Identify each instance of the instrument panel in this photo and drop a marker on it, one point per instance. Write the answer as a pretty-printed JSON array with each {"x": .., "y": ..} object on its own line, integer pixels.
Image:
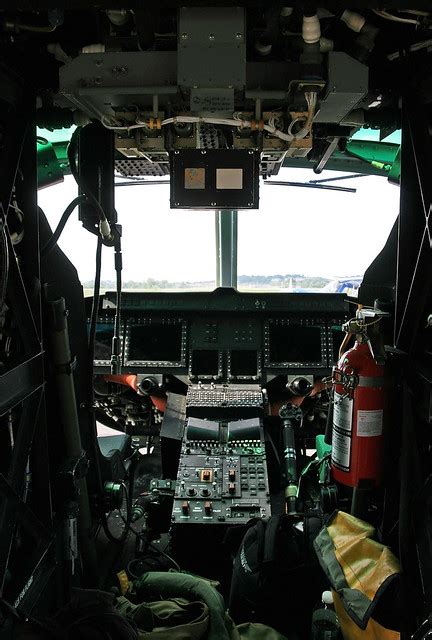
[{"x": 229, "y": 337}]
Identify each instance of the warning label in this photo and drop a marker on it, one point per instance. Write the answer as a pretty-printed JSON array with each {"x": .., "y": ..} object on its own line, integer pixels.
[
  {"x": 369, "y": 423},
  {"x": 341, "y": 450},
  {"x": 343, "y": 412}
]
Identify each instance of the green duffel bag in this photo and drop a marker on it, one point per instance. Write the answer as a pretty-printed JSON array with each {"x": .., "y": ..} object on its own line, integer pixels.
[
  {"x": 179, "y": 606},
  {"x": 171, "y": 619}
]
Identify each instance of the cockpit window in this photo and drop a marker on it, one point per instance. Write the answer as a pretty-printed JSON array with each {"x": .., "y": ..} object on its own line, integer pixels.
[
  {"x": 162, "y": 249},
  {"x": 304, "y": 239}
]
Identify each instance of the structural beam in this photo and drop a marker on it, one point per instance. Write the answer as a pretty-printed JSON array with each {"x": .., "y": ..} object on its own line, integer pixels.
[{"x": 226, "y": 248}]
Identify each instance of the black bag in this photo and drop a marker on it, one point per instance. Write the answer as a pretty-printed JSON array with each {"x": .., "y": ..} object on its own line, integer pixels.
[{"x": 276, "y": 578}]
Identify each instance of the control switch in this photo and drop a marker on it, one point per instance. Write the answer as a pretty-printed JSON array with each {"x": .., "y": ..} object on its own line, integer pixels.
[{"x": 185, "y": 508}]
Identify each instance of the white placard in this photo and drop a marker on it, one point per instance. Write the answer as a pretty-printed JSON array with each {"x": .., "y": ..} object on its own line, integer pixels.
[
  {"x": 369, "y": 423},
  {"x": 341, "y": 450},
  {"x": 343, "y": 412},
  {"x": 229, "y": 178}
]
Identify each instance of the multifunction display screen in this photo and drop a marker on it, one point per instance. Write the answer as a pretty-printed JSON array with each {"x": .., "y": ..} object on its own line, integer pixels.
[
  {"x": 294, "y": 343},
  {"x": 155, "y": 342}
]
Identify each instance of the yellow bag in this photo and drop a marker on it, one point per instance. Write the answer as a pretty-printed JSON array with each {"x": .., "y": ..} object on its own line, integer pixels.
[{"x": 359, "y": 570}]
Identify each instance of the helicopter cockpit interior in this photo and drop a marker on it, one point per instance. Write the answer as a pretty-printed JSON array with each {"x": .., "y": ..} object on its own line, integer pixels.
[{"x": 238, "y": 456}]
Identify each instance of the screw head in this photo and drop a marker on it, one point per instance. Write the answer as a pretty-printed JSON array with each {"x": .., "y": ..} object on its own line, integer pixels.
[
  {"x": 211, "y": 36},
  {"x": 239, "y": 36},
  {"x": 213, "y": 204},
  {"x": 203, "y": 152},
  {"x": 184, "y": 36}
]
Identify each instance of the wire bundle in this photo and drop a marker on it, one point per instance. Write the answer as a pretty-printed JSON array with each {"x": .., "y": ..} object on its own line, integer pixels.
[{"x": 236, "y": 121}]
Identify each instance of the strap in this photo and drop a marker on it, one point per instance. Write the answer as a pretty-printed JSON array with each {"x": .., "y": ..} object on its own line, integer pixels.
[{"x": 270, "y": 539}]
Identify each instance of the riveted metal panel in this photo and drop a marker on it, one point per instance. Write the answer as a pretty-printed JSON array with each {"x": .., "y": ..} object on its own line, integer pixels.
[{"x": 212, "y": 47}]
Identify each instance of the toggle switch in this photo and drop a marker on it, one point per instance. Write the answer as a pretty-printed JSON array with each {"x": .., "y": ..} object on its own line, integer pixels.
[{"x": 185, "y": 508}]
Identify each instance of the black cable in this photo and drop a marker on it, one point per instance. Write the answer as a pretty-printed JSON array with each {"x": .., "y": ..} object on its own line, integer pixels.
[
  {"x": 142, "y": 536},
  {"x": 143, "y": 560},
  {"x": 127, "y": 521},
  {"x": 50, "y": 244},
  {"x": 118, "y": 265},
  {"x": 4, "y": 263},
  {"x": 91, "y": 350},
  {"x": 95, "y": 446},
  {"x": 94, "y": 313}
]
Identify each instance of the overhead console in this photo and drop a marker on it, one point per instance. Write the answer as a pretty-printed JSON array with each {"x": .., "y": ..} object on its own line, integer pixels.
[{"x": 224, "y": 336}]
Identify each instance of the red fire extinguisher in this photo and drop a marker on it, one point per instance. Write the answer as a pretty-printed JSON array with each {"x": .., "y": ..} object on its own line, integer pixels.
[{"x": 359, "y": 417}]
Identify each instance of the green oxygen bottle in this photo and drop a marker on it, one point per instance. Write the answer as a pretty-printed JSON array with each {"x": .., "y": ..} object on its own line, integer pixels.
[{"x": 325, "y": 623}]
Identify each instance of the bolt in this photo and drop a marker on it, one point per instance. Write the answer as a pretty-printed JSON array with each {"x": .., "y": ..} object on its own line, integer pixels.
[
  {"x": 176, "y": 152},
  {"x": 203, "y": 152},
  {"x": 184, "y": 36},
  {"x": 213, "y": 204},
  {"x": 98, "y": 63},
  {"x": 119, "y": 70},
  {"x": 211, "y": 36},
  {"x": 251, "y": 153},
  {"x": 239, "y": 36},
  {"x": 250, "y": 204}
]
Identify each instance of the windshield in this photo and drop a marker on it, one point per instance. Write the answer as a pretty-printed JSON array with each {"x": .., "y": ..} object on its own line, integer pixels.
[
  {"x": 301, "y": 239},
  {"x": 306, "y": 239},
  {"x": 162, "y": 249}
]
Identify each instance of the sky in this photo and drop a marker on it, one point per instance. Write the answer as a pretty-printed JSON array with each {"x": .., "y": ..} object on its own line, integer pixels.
[{"x": 296, "y": 230}]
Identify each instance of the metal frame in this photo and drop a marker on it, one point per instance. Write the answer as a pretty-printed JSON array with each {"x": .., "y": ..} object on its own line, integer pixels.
[
  {"x": 22, "y": 387},
  {"x": 226, "y": 248},
  {"x": 414, "y": 271}
]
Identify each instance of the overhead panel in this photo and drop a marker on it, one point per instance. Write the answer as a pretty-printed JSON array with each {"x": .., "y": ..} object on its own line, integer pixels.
[
  {"x": 211, "y": 56},
  {"x": 347, "y": 85},
  {"x": 101, "y": 83}
]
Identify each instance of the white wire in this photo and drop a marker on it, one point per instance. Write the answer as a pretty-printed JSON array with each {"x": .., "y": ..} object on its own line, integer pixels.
[
  {"x": 292, "y": 123},
  {"x": 140, "y": 125},
  {"x": 236, "y": 121},
  {"x": 390, "y": 16},
  {"x": 416, "y": 12}
]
